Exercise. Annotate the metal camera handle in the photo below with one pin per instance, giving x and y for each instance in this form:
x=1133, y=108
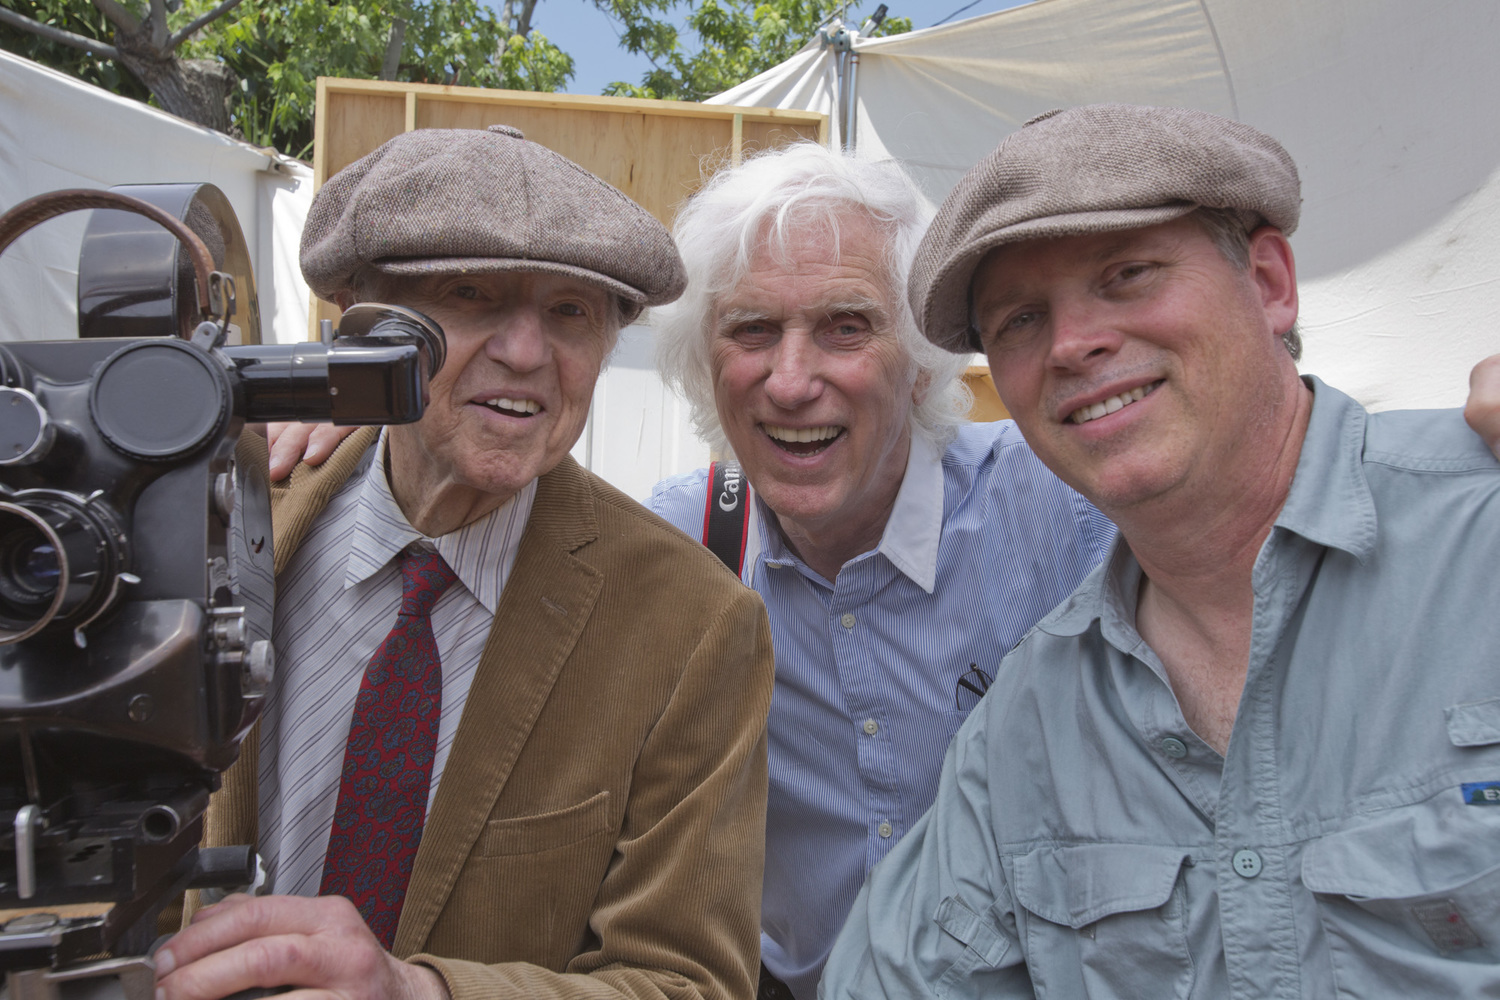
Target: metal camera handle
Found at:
x=215, y=289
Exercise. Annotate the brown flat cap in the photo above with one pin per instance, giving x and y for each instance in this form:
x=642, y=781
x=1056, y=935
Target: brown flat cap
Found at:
x=470, y=201
x=1093, y=169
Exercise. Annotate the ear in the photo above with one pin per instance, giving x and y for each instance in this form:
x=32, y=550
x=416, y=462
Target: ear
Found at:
x=344, y=299
x=1274, y=272
x=920, y=387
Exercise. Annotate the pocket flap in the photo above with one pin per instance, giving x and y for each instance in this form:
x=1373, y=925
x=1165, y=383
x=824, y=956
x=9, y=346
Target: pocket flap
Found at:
x=1417, y=850
x=1476, y=724
x=1076, y=886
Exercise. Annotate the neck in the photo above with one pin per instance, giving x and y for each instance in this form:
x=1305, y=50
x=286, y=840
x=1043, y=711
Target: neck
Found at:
x=828, y=543
x=434, y=505
x=1197, y=600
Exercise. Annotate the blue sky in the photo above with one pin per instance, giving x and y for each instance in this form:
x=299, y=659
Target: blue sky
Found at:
x=578, y=28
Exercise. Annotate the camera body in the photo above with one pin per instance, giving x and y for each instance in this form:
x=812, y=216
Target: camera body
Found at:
x=136, y=592
x=136, y=570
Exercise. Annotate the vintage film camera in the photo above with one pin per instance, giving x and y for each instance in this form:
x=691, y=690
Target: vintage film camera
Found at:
x=136, y=567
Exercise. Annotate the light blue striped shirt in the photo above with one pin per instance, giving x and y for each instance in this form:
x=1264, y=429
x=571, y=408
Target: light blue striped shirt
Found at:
x=335, y=603
x=981, y=543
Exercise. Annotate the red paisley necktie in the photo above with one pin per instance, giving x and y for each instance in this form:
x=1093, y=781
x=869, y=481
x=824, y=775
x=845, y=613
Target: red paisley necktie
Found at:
x=382, y=804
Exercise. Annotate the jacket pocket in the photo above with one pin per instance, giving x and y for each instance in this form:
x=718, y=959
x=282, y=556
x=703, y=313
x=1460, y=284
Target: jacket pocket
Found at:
x=527, y=890
x=545, y=831
x=1410, y=899
x=1106, y=920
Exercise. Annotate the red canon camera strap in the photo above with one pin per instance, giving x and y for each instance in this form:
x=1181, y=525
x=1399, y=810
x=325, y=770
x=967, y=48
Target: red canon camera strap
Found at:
x=726, y=514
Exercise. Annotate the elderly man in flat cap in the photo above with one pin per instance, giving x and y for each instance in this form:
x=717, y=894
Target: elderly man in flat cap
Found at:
x=513, y=793
x=1257, y=752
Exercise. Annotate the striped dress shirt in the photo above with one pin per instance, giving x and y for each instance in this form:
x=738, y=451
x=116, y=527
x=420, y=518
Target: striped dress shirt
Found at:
x=981, y=543
x=335, y=603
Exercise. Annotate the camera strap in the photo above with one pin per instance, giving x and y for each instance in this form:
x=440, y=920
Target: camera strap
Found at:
x=726, y=514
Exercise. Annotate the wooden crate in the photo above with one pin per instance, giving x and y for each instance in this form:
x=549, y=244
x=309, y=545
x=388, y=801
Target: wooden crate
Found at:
x=657, y=152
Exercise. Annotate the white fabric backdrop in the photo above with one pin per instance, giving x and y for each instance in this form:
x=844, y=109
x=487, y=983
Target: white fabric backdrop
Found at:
x=58, y=132
x=1388, y=107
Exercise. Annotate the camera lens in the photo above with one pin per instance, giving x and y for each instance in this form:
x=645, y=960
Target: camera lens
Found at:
x=57, y=562
x=29, y=566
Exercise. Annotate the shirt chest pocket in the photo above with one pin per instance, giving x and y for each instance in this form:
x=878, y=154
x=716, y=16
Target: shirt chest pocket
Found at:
x=1410, y=897
x=1105, y=920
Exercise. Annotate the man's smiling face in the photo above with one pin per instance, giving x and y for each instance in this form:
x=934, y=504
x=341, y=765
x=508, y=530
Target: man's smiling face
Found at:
x=812, y=385
x=1139, y=363
x=524, y=352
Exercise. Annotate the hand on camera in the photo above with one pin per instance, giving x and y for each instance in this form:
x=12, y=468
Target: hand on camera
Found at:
x=317, y=945
x=1483, y=409
x=310, y=443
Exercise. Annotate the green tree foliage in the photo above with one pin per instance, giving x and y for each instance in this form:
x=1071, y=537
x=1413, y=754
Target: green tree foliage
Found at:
x=737, y=39
x=79, y=18
x=278, y=50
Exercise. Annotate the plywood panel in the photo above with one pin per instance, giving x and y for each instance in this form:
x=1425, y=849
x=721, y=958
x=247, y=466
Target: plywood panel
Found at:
x=678, y=154
x=768, y=135
x=357, y=123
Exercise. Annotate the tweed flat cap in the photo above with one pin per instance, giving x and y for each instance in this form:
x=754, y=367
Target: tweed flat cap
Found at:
x=1093, y=169
x=471, y=201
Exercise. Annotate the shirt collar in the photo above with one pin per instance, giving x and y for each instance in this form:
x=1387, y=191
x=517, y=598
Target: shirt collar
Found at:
x=481, y=553
x=912, y=532
x=915, y=527
x=1329, y=503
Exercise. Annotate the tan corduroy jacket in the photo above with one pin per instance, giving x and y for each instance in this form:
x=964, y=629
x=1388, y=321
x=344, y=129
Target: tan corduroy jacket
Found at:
x=599, y=828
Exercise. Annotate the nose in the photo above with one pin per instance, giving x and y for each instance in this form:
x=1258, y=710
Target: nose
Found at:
x=519, y=341
x=793, y=379
x=1081, y=335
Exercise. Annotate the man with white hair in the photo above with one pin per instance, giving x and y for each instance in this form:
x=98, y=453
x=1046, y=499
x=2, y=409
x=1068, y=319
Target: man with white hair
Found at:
x=875, y=510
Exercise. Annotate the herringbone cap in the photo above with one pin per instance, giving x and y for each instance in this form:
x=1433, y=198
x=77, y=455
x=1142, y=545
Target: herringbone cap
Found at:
x=471, y=201
x=1093, y=169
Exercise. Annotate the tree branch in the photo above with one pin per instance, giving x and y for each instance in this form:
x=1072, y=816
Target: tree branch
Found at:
x=392, y=61
x=121, y=18
x=156, y=17
x=58, y=35
x=213, y=15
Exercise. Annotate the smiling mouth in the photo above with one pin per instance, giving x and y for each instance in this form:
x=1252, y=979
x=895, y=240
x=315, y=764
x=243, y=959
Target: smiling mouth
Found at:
x=1094, y=411
x=513, y=407
x=803, y=440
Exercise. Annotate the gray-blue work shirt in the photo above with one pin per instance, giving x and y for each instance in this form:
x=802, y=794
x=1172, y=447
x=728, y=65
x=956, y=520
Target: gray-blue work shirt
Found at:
x=1085, y=843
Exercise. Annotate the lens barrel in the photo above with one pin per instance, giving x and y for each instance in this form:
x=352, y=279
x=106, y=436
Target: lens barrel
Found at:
x=58, y=559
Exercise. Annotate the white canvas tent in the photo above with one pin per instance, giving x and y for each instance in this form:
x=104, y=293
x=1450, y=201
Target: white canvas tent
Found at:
x=58, y=132
x=1388, y=107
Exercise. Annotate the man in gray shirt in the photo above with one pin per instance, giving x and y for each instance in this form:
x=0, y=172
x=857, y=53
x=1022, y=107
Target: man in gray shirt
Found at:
x=1257, y=753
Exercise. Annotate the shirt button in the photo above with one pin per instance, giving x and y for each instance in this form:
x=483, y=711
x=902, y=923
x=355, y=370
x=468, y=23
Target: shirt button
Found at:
x=847, y=620
x=1246, y=863
x=871, y=727
x=1174, y=748
x=885, y=829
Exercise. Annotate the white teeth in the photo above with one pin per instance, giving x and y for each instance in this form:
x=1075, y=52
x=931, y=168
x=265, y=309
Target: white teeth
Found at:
x=1084, y=414
x=802, y=435
x=527, y=406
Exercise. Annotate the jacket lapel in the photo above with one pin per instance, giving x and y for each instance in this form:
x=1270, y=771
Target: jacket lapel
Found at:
x=546, y=602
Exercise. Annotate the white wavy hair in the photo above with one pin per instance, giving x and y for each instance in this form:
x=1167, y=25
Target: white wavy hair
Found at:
x=764, y=202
